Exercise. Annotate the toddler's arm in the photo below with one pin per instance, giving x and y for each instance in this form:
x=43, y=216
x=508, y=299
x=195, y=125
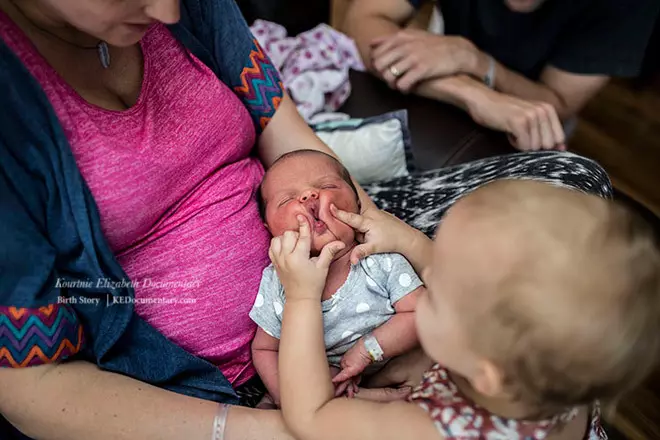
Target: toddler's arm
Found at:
x=384, y=233
x=265, y=353
x=395, y=337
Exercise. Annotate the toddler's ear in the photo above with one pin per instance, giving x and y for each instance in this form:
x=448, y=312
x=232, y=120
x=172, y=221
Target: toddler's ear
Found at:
x=488, y=380
x=266, y=226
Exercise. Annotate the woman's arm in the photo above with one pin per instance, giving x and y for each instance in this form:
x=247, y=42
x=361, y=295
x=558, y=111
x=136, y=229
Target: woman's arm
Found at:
x=367, y=20
x=78, y=401
x=286, y=132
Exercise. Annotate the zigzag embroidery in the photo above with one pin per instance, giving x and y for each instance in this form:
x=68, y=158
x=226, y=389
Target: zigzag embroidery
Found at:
x=260, y=87
x=36, y=336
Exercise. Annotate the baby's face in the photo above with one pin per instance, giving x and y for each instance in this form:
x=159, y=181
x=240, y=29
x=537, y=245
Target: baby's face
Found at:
x=307, y=185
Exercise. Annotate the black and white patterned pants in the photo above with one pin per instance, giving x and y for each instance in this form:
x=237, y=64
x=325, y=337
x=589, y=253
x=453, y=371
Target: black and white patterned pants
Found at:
x=421, y=199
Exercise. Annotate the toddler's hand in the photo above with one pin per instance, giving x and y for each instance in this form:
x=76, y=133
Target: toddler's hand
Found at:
x=353, y=363
x=302, y=277
x=378, y=231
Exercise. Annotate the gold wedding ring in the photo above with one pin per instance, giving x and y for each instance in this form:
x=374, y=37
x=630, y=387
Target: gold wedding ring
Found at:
x=394, y=71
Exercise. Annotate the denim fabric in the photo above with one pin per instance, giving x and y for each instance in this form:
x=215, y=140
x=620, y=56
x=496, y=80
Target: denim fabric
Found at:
x=50, y=226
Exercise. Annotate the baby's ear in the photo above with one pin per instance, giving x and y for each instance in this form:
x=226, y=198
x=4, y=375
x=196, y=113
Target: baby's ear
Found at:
x=488, y=379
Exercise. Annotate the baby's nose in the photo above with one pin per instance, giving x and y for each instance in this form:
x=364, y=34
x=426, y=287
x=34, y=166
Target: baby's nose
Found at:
x=309, y=194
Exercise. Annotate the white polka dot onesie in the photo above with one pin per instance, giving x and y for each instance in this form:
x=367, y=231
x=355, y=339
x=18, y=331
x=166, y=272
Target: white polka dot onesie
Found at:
x=364, y=302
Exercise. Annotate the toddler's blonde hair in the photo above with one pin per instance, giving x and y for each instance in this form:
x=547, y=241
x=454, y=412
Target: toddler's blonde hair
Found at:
x=577, y=319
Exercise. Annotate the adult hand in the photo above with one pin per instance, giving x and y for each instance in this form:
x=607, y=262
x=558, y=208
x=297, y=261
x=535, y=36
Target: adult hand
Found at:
x=302, y=277
x=383, y=394
x=530, y=125
x=404, y=370
x=411, y=56
x=348, y=388
x=377, y=231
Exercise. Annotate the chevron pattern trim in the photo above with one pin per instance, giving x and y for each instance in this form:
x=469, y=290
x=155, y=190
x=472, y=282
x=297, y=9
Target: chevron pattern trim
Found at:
x=38, y=336
x=261, y=87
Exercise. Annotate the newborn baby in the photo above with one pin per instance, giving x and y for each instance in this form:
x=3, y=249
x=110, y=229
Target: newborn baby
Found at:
x=368, y=309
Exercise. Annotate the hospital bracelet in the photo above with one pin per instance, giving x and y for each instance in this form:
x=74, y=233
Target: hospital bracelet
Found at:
x=220, y=422
x=374, y=349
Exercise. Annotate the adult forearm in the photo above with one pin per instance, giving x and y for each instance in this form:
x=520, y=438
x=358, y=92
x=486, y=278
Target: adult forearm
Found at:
x=512, y=83
x=458, y=90
x=367, y=20
x=253, y=424
x=365, y=30
x=76, y=400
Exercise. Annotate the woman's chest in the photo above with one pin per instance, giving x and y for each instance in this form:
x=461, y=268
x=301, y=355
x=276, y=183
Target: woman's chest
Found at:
x=169, y=154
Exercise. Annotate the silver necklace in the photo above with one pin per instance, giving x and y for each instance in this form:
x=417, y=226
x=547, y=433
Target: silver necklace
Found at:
x=101, y=48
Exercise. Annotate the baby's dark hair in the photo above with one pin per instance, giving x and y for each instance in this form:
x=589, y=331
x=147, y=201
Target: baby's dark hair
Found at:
x=343, y=172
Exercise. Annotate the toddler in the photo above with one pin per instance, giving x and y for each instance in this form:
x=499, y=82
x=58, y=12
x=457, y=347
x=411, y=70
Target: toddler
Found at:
x=542, y=301
x=368, y=308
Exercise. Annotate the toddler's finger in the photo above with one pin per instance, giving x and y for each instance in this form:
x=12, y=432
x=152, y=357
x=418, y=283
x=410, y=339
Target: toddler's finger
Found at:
x=328, y=253
x=304, y=235
x=276, y=246
x=360, y=252
x=355, y=221
x=289, y=240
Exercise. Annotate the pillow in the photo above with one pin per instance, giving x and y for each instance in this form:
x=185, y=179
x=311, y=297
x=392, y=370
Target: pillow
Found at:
x=372, y=149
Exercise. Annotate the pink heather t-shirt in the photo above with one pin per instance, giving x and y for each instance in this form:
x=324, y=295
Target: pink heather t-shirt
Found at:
x=174, y=182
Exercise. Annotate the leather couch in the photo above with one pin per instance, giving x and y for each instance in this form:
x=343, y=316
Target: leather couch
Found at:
x=441, y=134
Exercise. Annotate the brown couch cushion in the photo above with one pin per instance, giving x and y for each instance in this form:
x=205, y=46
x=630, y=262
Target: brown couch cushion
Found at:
x=441, y=134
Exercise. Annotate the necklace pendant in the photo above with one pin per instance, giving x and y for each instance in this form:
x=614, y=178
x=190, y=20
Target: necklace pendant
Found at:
x=104, y=54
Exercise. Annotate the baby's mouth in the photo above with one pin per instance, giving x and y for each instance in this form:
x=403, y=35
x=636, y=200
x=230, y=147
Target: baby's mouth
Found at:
x=318, y=225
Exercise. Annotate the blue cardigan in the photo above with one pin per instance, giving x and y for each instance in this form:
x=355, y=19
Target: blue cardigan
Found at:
x=50, y=232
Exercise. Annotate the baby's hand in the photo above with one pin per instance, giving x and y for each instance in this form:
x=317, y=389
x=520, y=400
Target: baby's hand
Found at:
x=378, y=231
x=348, y=388
x=302, y=277
x=353, y=363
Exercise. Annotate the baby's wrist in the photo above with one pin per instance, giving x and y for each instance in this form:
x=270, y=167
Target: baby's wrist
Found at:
x=372, y=349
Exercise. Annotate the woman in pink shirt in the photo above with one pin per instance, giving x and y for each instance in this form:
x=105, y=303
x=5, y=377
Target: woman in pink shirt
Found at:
x=172, y=144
